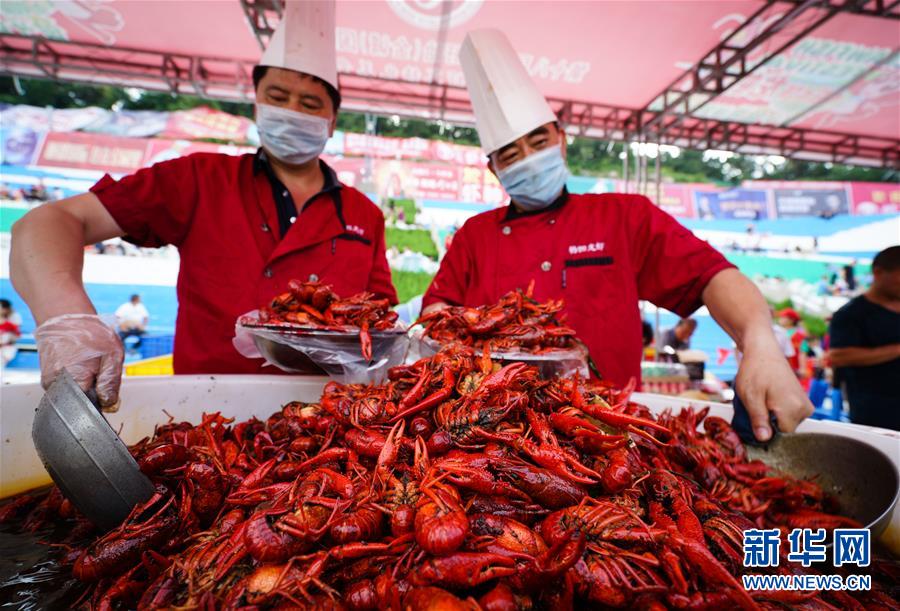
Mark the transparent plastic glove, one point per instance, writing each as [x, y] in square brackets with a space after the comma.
[88, 348]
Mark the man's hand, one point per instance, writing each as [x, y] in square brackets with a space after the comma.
[85, 346]
[434, 307]
[765, 380]
[767, 384]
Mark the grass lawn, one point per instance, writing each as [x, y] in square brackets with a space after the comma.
[410, 284]
[417, 240]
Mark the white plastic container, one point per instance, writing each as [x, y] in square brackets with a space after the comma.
[145, 398]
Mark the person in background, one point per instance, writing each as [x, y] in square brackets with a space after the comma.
[791, 322]
[850, 276]
[244, 225]
[449, 239]
[823, 288]
[38, 192]
[839, 287]
[131, 319]
[815, 359]
[679, 336]
[865, 346]
[781, 338]
[10, 331]
[647, 333]
[4, 191]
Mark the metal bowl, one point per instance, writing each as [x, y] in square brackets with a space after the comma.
[284, 347]
[550, 364]
[864, 481]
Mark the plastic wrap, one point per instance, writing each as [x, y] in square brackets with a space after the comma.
[551, 363]
[315, 351]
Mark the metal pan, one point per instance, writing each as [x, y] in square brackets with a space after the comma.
[86, 459]
[864, 481]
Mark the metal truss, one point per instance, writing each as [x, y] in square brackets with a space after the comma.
[871, 8]
[793, 142]
[258, 14]
[667, 123]
[673, 117]
[764, 35]
[211, 77]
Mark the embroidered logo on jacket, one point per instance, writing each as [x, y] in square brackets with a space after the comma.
[580, 249]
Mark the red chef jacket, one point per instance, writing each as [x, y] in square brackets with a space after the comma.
[221, 215]
[600, 253]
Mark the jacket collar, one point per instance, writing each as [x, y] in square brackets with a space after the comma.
[513, 213]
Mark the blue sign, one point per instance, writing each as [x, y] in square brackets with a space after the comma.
[807, 546]
[761, 547]
[19, 145]
[743, 204]
[852, 546]
[811, 202]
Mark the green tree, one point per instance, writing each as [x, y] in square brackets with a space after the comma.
[59, 95]
[586, 157]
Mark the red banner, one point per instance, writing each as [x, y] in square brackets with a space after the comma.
[350, 171]
[875, 197]
[204, 122]
[163, 150]
[93, 152]
[676, 200]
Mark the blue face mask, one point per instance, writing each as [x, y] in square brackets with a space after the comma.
[536, 181]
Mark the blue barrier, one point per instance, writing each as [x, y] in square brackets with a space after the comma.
[818, 389]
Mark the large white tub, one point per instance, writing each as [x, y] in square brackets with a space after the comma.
[188, 397]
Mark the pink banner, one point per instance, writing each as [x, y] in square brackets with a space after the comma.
[92, 152]
[479, 185]
[875, 198]
[397, 179]
[675, 198]
[204, 122]
[363, 145]
[457, 153]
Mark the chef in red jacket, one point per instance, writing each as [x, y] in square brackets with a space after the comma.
[600, 253]
[244, 226]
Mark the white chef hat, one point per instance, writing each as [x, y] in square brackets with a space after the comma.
[506, 102]
[304, 40]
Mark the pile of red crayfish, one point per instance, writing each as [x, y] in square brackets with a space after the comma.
[315, 305]
[458, 484]
[516, 323]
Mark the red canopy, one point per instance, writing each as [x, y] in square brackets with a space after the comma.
[808, 79]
